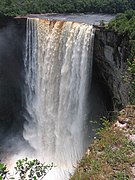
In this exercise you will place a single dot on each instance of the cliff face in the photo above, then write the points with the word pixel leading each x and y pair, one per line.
pixel 110 54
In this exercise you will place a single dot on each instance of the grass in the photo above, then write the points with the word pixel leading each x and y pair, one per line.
pixel 110 157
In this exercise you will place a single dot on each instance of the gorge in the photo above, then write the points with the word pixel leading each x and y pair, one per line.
pixel 54 85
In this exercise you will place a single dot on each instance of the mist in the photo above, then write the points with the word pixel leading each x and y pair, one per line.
pixel 16 120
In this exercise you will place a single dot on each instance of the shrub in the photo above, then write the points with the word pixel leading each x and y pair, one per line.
pixel 26 170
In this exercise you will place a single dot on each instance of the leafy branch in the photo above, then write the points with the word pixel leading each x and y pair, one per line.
pixel 26 170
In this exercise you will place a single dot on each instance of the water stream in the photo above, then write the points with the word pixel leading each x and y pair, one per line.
pixel 58 69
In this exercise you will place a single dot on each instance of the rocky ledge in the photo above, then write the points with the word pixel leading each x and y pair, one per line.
pixel 112 155
pixel 126 123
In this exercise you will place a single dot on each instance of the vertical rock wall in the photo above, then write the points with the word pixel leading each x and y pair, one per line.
pixel 108 86
pixel 110 54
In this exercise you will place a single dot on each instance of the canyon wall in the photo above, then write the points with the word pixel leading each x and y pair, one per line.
pixel 108 90
pixel 110 54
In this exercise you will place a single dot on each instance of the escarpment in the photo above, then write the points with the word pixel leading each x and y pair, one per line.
pixel 110 64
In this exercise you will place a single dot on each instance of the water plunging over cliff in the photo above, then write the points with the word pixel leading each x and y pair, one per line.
pixel 58 68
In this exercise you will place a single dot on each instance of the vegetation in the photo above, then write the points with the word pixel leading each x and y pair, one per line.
pixel 112 155
pixel 124 24
pixel 26 170
pixel 22 7
pixel 131 70
pixel 3 171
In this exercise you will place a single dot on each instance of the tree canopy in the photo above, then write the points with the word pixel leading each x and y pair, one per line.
pixel 22 7
pixel 124 23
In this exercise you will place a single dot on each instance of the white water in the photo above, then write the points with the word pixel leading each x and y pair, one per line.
pixel 58 68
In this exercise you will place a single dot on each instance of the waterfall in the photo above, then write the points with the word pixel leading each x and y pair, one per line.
pixel 58 69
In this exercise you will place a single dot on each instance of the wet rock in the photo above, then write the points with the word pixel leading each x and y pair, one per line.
pixel 110 54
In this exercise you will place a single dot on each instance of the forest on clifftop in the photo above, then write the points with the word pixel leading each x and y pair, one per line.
pixel 23 7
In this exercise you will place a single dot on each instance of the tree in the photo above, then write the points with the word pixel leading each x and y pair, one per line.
pixel 26 169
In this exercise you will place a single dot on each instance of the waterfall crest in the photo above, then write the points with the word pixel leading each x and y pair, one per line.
pixel 58 68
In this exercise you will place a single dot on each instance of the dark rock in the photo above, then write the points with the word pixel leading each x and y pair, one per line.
pixel 110 55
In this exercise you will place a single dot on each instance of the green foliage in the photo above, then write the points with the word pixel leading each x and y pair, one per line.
pixel 26 170
pixel 3 171
pixel 109 157
pixel 31 169
pixel 102 23
pixel 124 24
pixel 22 7
pixel 131 70
pixel 121 176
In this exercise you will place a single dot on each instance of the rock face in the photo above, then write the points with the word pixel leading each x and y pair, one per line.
pixel 110 54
